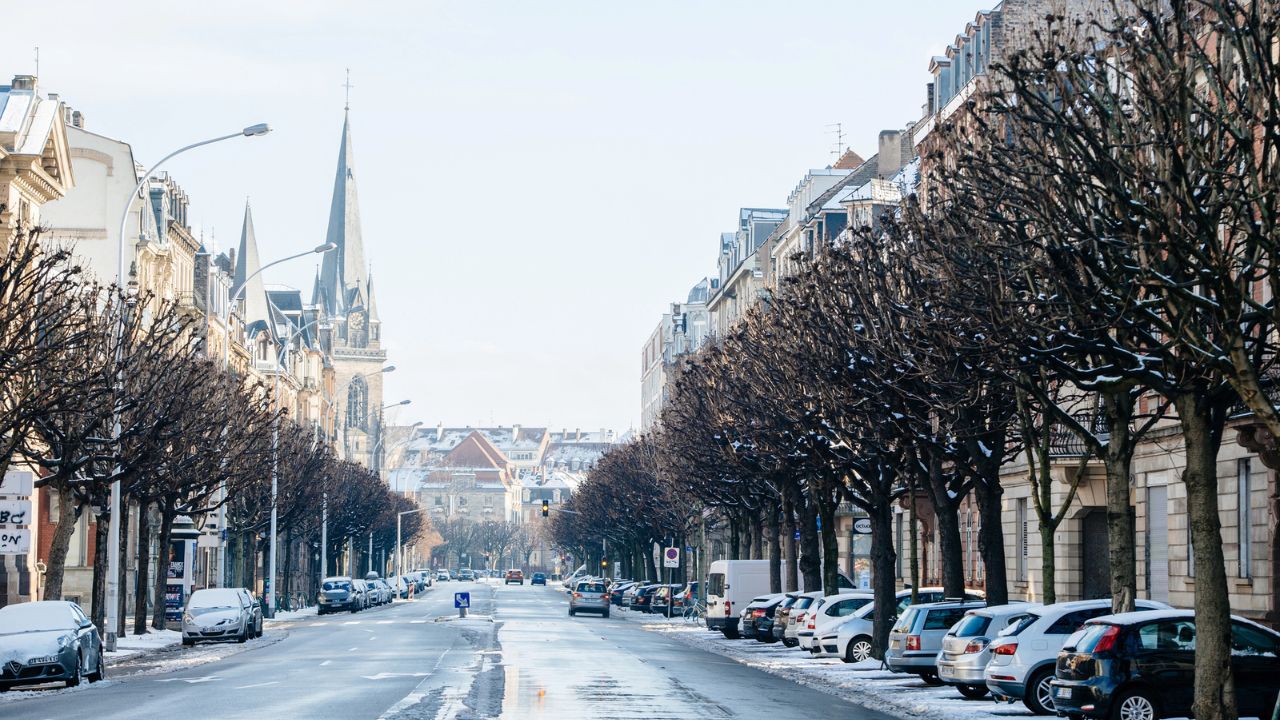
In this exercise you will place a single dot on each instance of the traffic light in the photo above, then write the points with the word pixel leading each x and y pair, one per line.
pixel 604 562
pixel 546 508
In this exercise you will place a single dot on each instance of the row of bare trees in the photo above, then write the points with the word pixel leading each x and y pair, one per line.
pixel 98 385
pixel 1095 251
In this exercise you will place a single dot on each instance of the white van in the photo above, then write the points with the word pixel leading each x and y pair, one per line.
pixel 731 585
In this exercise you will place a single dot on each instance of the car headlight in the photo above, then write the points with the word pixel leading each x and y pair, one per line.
pixel 186 618
pixel 65 641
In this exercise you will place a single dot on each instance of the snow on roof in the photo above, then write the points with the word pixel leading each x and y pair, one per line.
pixel 214 598
pixel 28 117
pixel 36 616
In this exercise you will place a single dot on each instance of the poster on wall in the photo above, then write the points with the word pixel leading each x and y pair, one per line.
pixel 15 541
pixel 173 601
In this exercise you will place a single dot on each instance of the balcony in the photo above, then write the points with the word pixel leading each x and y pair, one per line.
pixel 1065 444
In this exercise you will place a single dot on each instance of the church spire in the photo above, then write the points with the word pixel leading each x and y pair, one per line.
pixel 372 304
pixel 247 266
pixel 342 275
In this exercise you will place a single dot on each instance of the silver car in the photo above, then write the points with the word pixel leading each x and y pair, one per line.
pixel 916 639
pixel 221 614
pixel 966 647
pixel 591 596
pixel 338 594
pixel 46 641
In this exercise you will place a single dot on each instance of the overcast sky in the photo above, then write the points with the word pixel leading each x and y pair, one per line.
pixel 538 180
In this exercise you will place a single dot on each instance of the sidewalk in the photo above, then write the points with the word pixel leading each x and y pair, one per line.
pixel 865 683
pixel 131 646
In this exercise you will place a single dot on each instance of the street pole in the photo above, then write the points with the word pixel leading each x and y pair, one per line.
pixel 368 561
pixel 113 530
pixel 324 537
pixel 275 476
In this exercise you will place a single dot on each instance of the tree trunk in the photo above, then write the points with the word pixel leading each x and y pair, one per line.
pixel 735 540
pixel 830 547
pixel 883 561
pixel 122 563
pixel 1048 564
pixel 991 542
pixel 287 585
pixel 946 517
pixel 100 530
pixel 775 552
pixel 162 566
pixel 143 573
pixel 61 542
pixel 1118 459
pixel 758 535
pixel 649 565
pixel 810 550
pixel 913 523
pixel 789 528
pixel 1215 695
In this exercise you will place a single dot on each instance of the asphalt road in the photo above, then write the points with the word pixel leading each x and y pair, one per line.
pixel 518 656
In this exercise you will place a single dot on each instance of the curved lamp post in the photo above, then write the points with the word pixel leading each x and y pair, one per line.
pixel 113 531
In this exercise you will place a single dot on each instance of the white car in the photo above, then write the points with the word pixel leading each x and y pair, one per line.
pixel 799 617
pixel 1024 654
pixel 828 612
pixel 851 640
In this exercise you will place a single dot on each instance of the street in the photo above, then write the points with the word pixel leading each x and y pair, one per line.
pixel 518 655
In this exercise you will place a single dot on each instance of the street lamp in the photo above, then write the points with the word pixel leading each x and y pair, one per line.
pixel 113 530
pixel 399 572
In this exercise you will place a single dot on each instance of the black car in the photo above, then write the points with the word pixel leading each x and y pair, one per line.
pixel 1142 665
pixel 616 592
pixel 538 579
pixel 762 618
pixel 643 599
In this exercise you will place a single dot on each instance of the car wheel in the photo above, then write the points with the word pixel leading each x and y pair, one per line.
pixel 1134 705
pixel 570 612
pixel 245 635
pixel 74 680
pixel 259 633
pixel 1039 695
pixel 732 633
pixel 188 642
pixel 99 670
pixel 973 692
pixel 859 649
pixel 789 642
pixel 931 678
pixel 605 614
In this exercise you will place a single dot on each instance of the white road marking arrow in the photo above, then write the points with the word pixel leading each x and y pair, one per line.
pixel 192 681
pixel 385 675
pixel 246 687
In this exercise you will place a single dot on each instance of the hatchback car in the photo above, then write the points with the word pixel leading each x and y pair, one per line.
pixel 589 596
pixel 1142 665
pixel 466 574
pixel 442 576
pixel 759 608
pixel 48 640
pixel 642 598
pixel 916 639
pixel 827 613
pixel 966 646
pixel 221 614
pixel 514 576
pixel 795 618
pixel 337 594
pixel 538 579
pixel 1024 654
pixel 851 640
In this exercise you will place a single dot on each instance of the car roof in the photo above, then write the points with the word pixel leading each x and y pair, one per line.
pixel 1013 608
pixel 948 605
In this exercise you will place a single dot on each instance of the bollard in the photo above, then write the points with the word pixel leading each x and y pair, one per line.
pixel 462 612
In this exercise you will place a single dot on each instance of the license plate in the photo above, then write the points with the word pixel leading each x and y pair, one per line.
pixel 1062 692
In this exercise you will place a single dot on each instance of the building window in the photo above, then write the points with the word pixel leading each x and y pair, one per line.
pixel 1244 488
pixel 358 404
pixel 1021 531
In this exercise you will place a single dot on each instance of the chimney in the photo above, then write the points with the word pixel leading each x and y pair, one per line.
pixel 891 160
pixel 24 82
pixel 515 433
pixel 77 119
pixel 577 434
pixel 439 432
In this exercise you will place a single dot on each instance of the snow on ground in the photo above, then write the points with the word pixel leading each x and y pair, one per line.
pixel 128 646
pixel 865 683
pixel 285 616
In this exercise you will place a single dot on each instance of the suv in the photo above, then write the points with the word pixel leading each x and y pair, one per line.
pixel 514 576
pixel 966 646
pixel 1143 665
pixel 590 595
pixel 827 613
pixel 1024 653
pixel 916 639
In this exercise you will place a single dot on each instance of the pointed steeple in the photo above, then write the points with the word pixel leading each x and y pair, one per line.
pixel 343 269
pixel 372 303
pixel 317 290
pixel 247 266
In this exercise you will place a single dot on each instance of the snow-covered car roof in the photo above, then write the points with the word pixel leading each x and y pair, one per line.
pixel 39 615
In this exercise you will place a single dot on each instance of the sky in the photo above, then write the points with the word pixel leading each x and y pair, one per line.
pixel 538 180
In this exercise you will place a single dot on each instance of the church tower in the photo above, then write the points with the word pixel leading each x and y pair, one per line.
pixel 353 335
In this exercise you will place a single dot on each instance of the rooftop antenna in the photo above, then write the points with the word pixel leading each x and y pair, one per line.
pixel 37 61
pixel 838 149
pixel 346 105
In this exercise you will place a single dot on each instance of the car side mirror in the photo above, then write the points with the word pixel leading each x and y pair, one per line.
pixel 86 624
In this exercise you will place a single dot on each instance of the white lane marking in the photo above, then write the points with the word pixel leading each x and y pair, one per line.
pixel 419 692
pixel 352 649
pixel 351 622
pixel 246 687
pixel 416 622
pixel 385 622
pixel 385 675
pixel 192 681
pixel 318 624
pixel 326 662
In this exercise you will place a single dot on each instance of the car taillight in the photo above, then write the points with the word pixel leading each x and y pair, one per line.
pixel 913 642
pixel 757 613
pixel 1005 649
pixel 728 608
pixel 577 594
pixel 975 646
pixel 1108 639
pixel 812 619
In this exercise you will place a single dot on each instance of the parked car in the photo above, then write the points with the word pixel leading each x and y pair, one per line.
pixel 426 576
pixel 221 614
pixel 689 595
pixel 514 576
pixel 732 584
pixel 851 640
pixel 966 646
pixel 589 596
pixel 827 613
pixel 765 622
pixel 640 601
pixel 442 576
pixel 337 594
pixel 796 617
pixel 1025 653
pixel 781 614
pixel 916 639
pixel 759 608
pixel 48 640
pixel 661 598
pixel 538 579
pixel 466 574
pixel 1142 665
pixel 616 592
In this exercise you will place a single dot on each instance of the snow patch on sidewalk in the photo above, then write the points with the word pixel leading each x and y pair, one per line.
pixel 128 646
pixel 864 683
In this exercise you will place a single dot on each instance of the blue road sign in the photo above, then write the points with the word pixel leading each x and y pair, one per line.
pixel 797 536
pixel 462 599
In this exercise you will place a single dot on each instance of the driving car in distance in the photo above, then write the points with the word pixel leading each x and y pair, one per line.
pixel 48 640
pixel 514 575
pixel 538 579
pixel 589 596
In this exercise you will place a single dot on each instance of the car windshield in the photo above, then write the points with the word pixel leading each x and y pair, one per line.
pixel 907 620
pixel 590 587
pixel 336 585
pixel 971 626
pixel 1018 623
pixel 801 603
pixel 213 599
pixel 37 616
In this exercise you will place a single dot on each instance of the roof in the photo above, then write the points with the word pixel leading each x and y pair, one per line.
pixel 247 269
pixel 344 267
